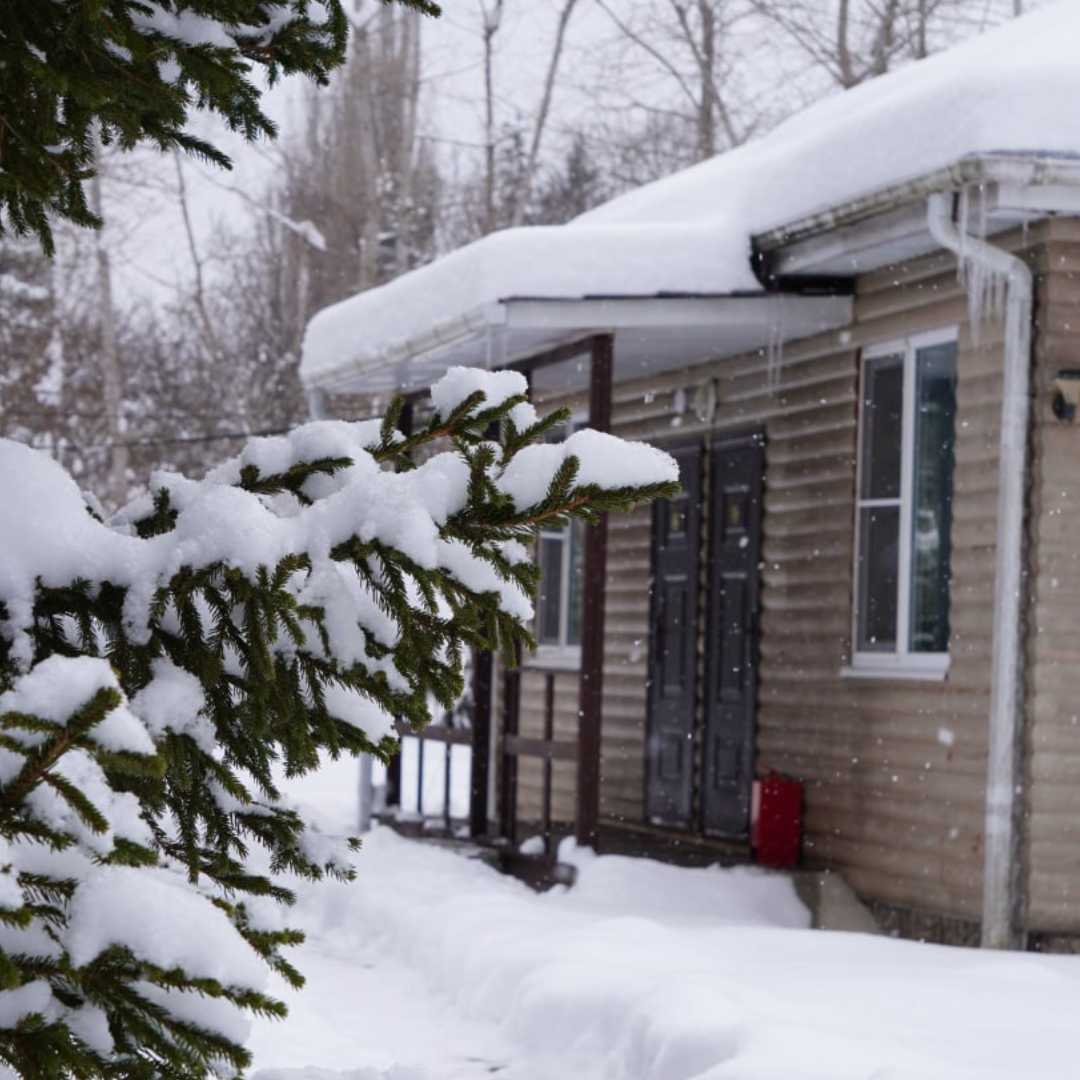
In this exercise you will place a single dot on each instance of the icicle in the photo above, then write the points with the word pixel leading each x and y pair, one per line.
pixel 986 289
pixel 774 349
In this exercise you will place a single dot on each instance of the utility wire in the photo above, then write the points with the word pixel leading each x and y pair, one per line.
pixel 175 440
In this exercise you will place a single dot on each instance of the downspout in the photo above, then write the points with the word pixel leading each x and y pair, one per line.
pixel 1006 693
pixel 364 787
pixel 316 402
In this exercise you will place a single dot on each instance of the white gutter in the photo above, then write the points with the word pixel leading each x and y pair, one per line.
pixel 1010 172
pixel 1006 694
pixel 441 334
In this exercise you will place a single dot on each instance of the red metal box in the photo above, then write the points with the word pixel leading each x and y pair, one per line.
pixel 776 821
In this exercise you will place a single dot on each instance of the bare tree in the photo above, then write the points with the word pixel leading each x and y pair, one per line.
pixel 855 40
pixel 505 203
pixel 542 112
pixel 31 363
pixel 363 177
pixel 691 42
pixel 490 23
pixel 112 375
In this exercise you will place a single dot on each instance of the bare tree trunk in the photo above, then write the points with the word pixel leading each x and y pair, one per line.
pixel 408 97
pixel 921 50
pixel 542 114
pixel 367 160
pixel 884 39
pixel 112 375
pixel 710 99
pixel 492 18
pixel 843 50
pixel 213 341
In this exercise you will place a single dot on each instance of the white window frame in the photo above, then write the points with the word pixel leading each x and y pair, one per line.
pixel 902 663
pixel 561 653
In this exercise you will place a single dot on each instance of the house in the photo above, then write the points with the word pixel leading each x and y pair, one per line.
pixel 859 335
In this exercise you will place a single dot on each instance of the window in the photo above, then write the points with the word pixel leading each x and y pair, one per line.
pixel 562 563
pixel 904 506
pixel 558 607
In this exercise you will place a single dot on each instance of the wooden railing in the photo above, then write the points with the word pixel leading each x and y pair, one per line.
pixel 515 746
pixel 443 734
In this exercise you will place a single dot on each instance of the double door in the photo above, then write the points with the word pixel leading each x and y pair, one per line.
pixel 706 550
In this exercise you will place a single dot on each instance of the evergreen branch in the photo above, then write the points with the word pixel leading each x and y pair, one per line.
pixel 43 758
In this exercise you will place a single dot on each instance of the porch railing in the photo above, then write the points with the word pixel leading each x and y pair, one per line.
pixel 515 746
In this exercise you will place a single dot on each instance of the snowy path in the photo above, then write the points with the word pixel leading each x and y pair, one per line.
pixel 371 1012
pixel 434 967
pixel 367 1012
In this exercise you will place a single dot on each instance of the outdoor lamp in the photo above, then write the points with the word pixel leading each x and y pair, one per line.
pixel 1066 394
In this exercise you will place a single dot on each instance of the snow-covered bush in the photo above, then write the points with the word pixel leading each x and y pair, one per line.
pixel 158 671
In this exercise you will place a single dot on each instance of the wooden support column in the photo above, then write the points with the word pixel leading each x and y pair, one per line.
pixel 481 743
pixel 509 768
pixel 393 766
pixel 592 629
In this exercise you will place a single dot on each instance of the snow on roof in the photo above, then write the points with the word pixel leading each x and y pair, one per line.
pixel 1013 89
pixel 551 262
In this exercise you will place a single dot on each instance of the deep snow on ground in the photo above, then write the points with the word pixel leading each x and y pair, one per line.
pixel 434 967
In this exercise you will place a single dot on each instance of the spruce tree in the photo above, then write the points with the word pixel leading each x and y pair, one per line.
pixel 133 71
pixel 160 673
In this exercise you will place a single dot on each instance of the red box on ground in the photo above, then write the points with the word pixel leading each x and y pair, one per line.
pixel 776 821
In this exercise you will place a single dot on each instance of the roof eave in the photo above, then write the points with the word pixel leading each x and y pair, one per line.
pixel 517 330
pixel 1033 184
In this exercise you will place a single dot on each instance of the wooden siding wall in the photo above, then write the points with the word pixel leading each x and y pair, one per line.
pixel 1053 751
pixel 893 770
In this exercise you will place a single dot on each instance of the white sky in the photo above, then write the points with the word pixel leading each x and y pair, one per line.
pixel 146 229
pixel 147 234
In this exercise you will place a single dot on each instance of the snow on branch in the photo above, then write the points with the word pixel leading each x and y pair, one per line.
pixel 160 671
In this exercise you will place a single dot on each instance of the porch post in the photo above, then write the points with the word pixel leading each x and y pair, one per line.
pixel 393 766
pixel 592 628
pixel 481 743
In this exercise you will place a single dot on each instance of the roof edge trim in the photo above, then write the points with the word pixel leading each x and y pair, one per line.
pixel 1036 169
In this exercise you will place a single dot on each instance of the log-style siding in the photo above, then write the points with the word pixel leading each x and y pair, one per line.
pixel 894 771
pixel 1052 855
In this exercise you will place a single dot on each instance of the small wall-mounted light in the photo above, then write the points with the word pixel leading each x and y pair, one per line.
pixel 1066 394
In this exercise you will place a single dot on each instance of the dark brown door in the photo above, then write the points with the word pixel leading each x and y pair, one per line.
pixel 669 755
pixel 736 470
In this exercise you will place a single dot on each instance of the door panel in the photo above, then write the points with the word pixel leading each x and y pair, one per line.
pixel 736 479
pixel 669 756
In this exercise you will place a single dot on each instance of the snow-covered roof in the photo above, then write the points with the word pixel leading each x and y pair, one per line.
pixel 1013 90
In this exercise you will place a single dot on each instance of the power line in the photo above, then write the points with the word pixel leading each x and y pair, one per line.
pixel 178 439
pixel 98 414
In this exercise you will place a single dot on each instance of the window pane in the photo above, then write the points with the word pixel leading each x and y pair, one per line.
pixel 883 422
pixel 550 598
pixel 577 584
pixel 558 608
pixel 931 524
pixel 879 557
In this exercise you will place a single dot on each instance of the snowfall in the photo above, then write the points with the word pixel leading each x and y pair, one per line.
pixel 1011 91
pixel 433 966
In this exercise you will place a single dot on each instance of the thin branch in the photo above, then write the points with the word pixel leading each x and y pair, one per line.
pixel 196 260
pixel 647 46
pixel 542 114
